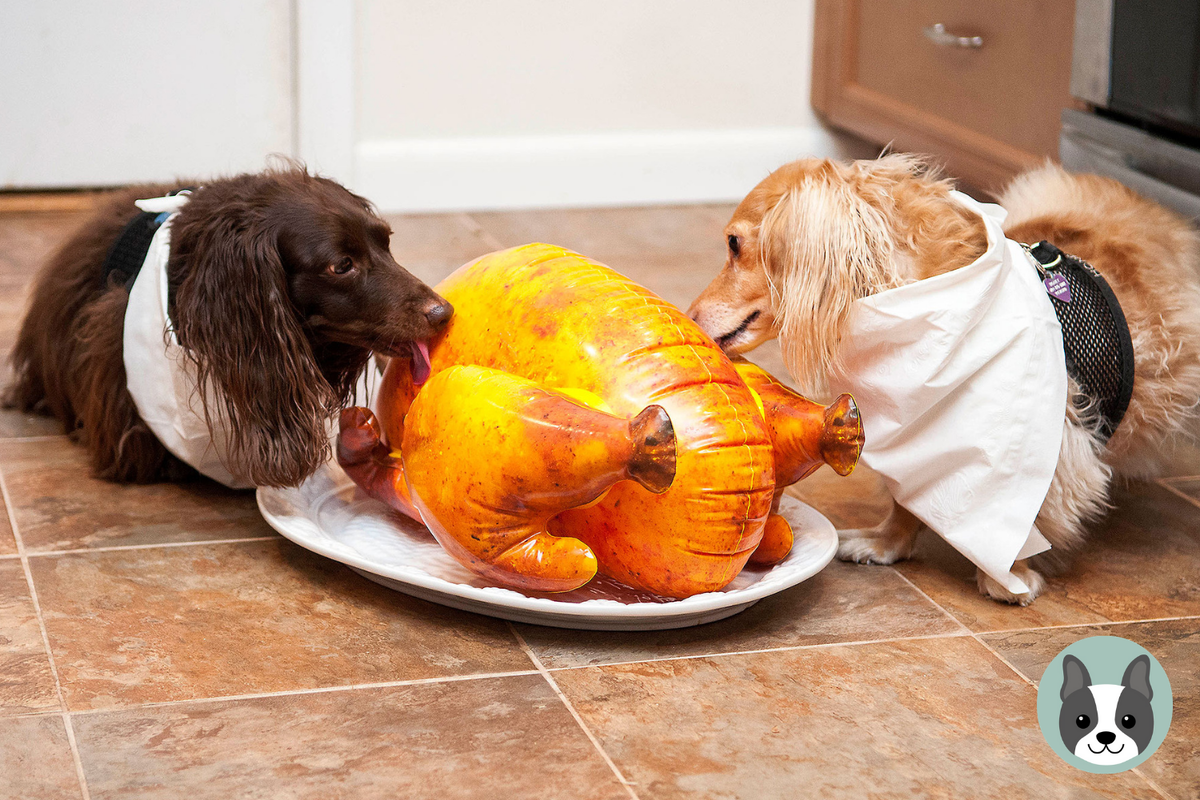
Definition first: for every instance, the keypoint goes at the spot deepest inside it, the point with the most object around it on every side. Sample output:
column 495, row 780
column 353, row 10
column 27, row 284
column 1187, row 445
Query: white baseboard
column 579, row 170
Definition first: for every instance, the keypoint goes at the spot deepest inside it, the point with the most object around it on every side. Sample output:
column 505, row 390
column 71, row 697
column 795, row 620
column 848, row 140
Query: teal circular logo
column 1104, row 704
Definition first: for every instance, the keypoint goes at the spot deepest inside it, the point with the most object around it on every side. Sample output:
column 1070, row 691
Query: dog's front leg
column 1033, row 579
column 886, row 543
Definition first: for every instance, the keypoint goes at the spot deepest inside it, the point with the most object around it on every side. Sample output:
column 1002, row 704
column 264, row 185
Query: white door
column 119, row 91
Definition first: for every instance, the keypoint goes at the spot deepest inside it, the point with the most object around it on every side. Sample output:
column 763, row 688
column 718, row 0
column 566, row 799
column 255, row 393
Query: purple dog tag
column 1058, row 288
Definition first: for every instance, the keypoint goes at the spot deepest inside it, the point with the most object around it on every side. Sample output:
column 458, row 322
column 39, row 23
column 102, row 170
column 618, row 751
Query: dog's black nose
column 438, row 313
column 1106, row 737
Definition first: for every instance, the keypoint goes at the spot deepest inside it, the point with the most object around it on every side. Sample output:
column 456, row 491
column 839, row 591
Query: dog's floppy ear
column 1137, row 676
column 823, row 246
column 254, row 365
column 1075, row 677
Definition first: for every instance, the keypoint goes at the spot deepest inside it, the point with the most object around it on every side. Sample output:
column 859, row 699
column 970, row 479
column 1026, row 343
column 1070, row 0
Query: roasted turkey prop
column 569, row 421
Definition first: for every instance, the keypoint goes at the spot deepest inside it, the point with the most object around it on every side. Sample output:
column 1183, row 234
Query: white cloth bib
column 962, row 383
column 161, row 378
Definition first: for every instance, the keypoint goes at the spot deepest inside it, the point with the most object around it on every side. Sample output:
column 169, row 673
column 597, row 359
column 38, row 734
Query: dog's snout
column 1106, row 737
column 438, row 313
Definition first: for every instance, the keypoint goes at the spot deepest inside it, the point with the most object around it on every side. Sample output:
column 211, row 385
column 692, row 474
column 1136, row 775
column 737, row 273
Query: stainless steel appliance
column 1137, row 64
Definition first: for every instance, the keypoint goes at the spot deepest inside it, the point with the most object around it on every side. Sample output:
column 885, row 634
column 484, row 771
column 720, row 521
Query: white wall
column 528, row 67
column 122, row 91
column 468, row 104
column 420, row 105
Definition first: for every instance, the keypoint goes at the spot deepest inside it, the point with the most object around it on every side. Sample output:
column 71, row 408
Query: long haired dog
column 815, row 236
column 281, row 286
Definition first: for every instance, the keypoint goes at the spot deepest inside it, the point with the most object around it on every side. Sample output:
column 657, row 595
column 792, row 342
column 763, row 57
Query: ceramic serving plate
column 329, row 515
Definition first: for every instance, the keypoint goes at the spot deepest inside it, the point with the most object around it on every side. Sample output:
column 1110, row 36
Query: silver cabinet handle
column 943, row 38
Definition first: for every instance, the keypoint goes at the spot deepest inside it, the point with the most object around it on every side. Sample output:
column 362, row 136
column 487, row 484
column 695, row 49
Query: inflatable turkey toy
column 569, row 421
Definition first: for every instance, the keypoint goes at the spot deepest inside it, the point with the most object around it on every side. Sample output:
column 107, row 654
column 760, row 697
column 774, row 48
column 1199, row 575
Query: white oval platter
column 330, row 516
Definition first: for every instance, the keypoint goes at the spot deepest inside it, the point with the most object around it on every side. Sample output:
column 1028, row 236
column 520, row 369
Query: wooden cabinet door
column 988, row 106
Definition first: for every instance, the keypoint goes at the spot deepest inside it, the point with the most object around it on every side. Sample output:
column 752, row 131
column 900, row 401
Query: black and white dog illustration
column 1104, row 723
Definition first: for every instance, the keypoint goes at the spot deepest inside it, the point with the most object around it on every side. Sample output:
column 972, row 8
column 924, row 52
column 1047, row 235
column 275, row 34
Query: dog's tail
column 1096, row 202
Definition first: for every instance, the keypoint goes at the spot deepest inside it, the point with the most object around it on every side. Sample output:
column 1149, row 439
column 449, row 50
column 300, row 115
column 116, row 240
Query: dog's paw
column 990, row 588
column 870, row 546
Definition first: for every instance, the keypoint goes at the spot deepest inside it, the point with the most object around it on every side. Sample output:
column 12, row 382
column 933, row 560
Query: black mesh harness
column 128, row 252
column 1096, row 340
column 125, row 257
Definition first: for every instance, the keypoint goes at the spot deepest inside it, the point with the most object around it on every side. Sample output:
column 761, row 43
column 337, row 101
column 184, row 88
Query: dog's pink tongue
column 420, row 363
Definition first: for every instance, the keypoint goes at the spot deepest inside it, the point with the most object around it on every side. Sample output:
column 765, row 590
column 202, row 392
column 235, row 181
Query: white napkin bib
column 160, row 376
column 962, row 383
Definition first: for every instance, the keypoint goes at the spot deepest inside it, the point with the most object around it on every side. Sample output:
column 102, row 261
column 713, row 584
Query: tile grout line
column 970, row 632
column 41, row 437
column 151, row 546
column 1153, row 783
column 935, row 603
column 300, row 692
column 545, row 673
column 1098, row 623
column 1153, row 786
column 57, row 712
column 482, row 676
column 478, row 676
column 760, row 651
column 68, row 727
column 1005, row 662
column 978, row 637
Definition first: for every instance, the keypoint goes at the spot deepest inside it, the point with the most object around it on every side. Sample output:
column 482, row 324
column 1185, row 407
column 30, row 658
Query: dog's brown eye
column 735, row 246
column 342, row 267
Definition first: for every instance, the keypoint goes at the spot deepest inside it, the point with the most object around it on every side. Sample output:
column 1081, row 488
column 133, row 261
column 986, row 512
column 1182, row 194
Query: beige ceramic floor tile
column 1142, row 562
column 677, row 276
column 26, row 682
column 490, row 739
column 158, row 624
column 58, row 506
column 723, row 212
column 431, row 246
column 8, row 542
column 18, row 425
column 948, row 578
column 35, row 760
column 933, row 718
column 844, row 603
column 858, row 500
column 12, row 311
column 47, row 202
column 27, row 240
column 604, row 231
column 1176, row 644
